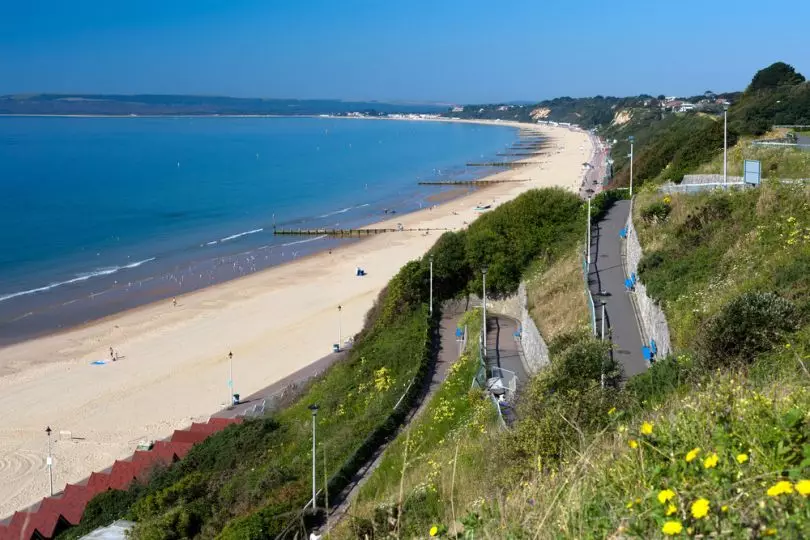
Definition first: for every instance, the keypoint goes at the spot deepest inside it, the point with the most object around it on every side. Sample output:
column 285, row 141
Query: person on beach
column 174, row 301
column 112, row 354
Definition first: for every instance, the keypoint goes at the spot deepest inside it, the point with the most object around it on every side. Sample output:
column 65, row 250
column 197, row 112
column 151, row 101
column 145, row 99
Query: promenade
column 606, row 282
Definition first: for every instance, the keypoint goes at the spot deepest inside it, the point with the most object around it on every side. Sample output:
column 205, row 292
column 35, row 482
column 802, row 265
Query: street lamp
column 632, row 140
column 49, row 462
column 725, row 143
column 588, row 247
column 484, row 269
column 230, row 378
column 431, row 284
column 314, row 409
column 340, row 328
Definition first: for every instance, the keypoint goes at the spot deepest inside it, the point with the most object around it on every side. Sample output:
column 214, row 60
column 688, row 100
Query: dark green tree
column 775, row 75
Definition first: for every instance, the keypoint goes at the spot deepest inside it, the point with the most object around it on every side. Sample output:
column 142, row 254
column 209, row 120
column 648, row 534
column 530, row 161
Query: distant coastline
column 169, row 105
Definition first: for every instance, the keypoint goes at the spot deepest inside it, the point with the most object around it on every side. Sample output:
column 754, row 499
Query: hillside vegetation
column 712, row 441
column 671, row 145
column 776, row 161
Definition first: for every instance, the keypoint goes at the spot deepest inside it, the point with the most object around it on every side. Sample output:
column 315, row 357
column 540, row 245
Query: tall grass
column 777, row 162
column 556, row 297
column 684, row 450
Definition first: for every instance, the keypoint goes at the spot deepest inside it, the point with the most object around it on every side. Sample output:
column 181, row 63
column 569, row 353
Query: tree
column 775, row 75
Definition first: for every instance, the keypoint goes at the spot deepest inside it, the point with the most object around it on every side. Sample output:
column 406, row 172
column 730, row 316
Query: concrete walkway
column 502, row 349
column 606, row 282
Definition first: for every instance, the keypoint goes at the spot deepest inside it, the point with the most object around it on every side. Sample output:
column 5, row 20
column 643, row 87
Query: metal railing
column 591, row 304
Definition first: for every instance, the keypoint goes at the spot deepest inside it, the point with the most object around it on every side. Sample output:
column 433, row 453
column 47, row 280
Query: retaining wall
column 653, row 321
column 535, row 350
column 709, row 179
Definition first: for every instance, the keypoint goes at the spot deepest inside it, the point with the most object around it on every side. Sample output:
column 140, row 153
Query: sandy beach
column 174, row 365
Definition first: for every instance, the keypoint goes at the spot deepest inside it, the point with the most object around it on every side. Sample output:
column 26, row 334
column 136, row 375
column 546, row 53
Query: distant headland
column 172, row 105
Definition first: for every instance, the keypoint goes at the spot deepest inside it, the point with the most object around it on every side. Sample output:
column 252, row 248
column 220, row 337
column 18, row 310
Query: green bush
column 561, row 403
column 657, row 212
column 750, row 324
column 538, row 224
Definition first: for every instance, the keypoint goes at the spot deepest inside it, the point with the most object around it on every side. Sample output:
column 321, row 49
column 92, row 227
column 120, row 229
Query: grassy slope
column 777, row 162
column 458, row 428
column 747, row 425
column 421, row 472
column 556, row 294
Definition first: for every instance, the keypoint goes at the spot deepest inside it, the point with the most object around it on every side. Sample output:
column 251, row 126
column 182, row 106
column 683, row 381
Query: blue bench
column 623, row 233
column 647, row 354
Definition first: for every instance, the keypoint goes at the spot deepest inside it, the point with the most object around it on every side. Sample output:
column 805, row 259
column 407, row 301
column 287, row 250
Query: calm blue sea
column 101, row 214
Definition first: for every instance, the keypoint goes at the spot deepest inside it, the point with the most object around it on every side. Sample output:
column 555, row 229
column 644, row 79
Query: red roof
column 192, row 437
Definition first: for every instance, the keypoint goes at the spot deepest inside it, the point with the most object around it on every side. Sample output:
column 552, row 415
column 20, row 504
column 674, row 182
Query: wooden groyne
column 497, row 164
column 468, row 182
column 342, row 233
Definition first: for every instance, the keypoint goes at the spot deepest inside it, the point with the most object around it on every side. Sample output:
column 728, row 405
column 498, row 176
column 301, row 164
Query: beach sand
column 174, row 368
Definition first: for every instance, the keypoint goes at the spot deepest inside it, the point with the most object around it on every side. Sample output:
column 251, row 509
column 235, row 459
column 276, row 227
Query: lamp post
column 588, row 247
column 314, row 409
column 49, row 462
column 431, row 284
column 725, row 144
column 484, row 269
column 603, row 319
column 230, row 377
column 340, row 326
column 632, row 140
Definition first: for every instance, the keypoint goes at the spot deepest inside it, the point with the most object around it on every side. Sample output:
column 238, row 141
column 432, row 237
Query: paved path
column 502, row 349
column 607, row 275
column 503, row 352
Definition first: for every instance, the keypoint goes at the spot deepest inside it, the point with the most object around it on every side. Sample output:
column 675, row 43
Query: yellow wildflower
column 779, row 488
column 724, row 508
column 693, row 453
column 666, row 495
column 803, row 487
column 434, row 530
column 769, row 532
column 632, row 443
column 742, row 458
column 711, row 461
column 671, row 509
column 612, row 411
column 629, row 504
column 646, row 428
column 671, row 528
column 700, row 508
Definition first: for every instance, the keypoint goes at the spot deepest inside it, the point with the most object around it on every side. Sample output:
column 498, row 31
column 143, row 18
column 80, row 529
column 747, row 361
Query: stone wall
column 653, row 321
column 709, row 179
column 535, row 350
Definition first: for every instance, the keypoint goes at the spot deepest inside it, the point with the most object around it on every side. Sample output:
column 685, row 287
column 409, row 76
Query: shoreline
column 174, row 365
column 59, row 316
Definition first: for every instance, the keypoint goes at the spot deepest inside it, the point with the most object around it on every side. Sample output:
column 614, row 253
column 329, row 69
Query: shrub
column 750, row 324
column 657, row 212
column 559, row 404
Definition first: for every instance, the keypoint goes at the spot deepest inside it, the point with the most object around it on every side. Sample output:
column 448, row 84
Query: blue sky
column 450, row 51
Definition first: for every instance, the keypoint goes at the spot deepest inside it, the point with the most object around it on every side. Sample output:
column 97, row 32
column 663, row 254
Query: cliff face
column 622, row 117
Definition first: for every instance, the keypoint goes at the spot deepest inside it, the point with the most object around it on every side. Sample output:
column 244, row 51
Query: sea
column 99, row 215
